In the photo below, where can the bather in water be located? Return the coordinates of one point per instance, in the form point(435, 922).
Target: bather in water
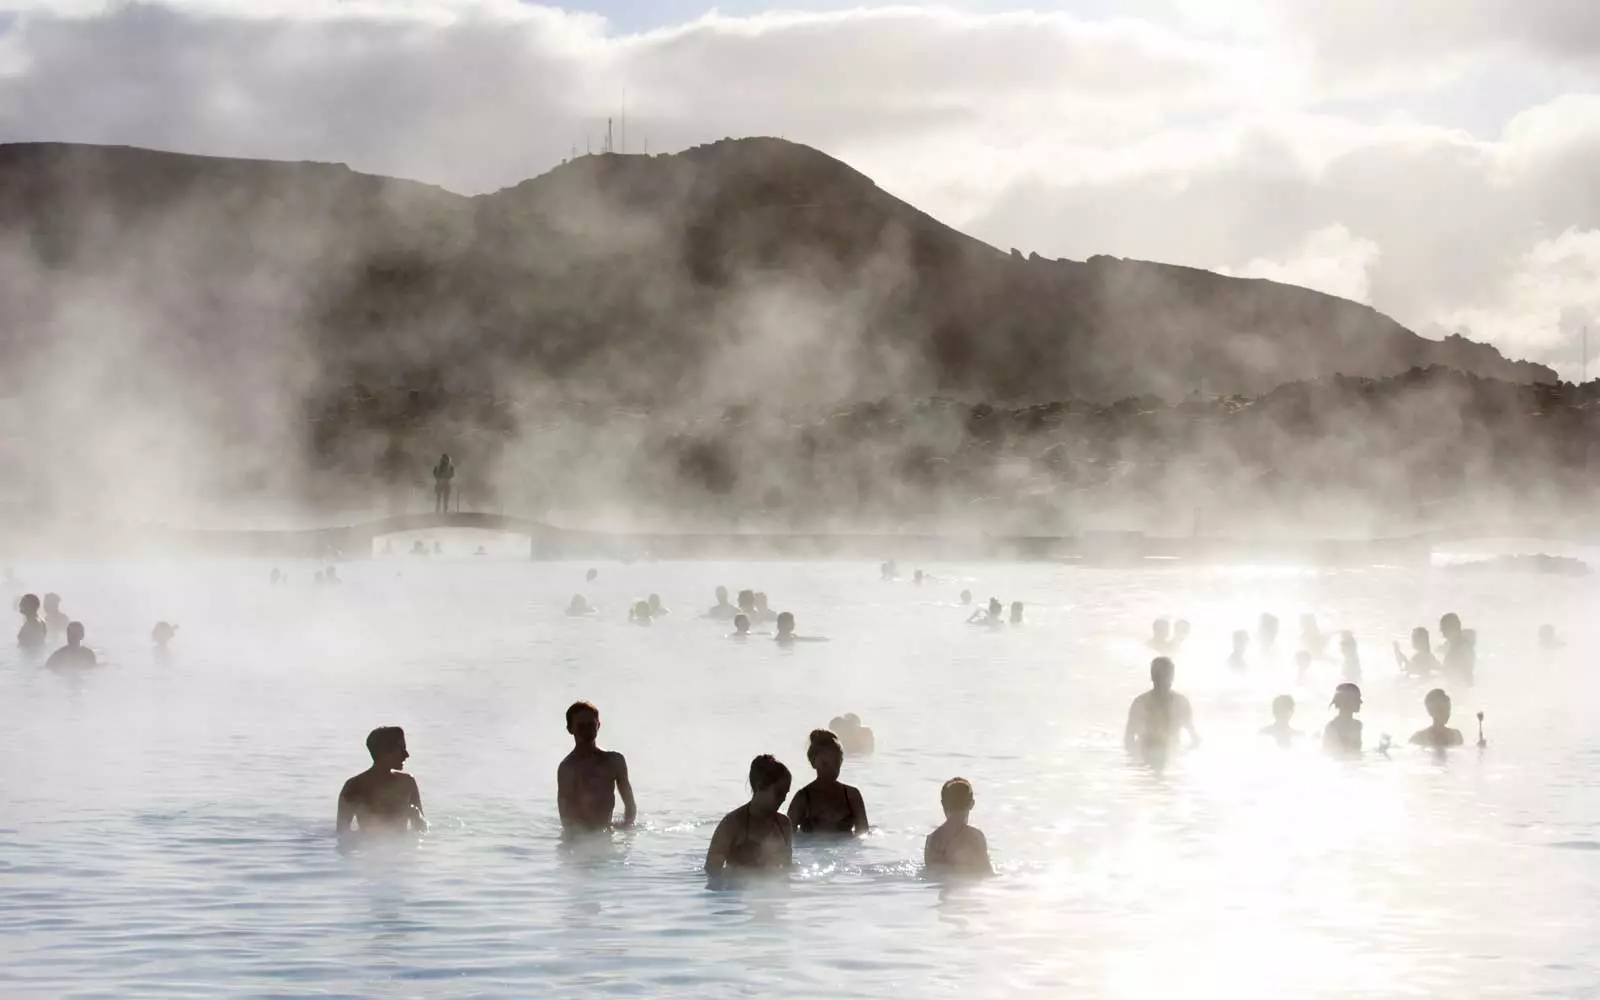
point(590, 779)
point(1438, 735)
point(1342, 734)
point(1282, 713)
point(1157, 717)
point(381, 799)
point(827, 805)
point(74, 653)
point(756, 836)
point(957, 847)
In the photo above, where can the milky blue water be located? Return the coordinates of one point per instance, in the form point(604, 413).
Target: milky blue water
point(165, 824)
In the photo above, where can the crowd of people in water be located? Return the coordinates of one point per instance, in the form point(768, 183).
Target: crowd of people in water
point(759, 834)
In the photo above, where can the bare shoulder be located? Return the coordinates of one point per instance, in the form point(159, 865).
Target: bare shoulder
point(353, 786)
point(617, 762)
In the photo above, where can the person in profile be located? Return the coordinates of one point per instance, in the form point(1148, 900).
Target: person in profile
point(1239, 658)
point(827, 805)
point(992, 616)
point(757, 836)
point(1548, 640)
point(1438, 735)
point(639, 613)
point(657, 609)
point(1460, 658)
point(580, 607)
point(1016, 612)
point(74, 653)
point(55, 620)
point(1160, 636)
point(1267, 633)
point(763, 614)
point(162, 635)
point(1282, 713)
point(591, 576)
point(741, 627)
point(966, 598)
point(1350, 657)
point(1421, 662)
point(1312, 639)
point(1157, 717)
point(1180, 634)
point(1342, 734)
point(590, 779)
point(31, 636)
point(383, 799)
point(856, 739)
point(786, 634)
point(443, 473)
point(723, 610)
point(957, 847)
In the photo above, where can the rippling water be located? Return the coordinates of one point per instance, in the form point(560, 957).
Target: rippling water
point(165, 825)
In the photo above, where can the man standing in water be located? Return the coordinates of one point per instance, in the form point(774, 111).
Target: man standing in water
point(1460, 649)
point(381, 799)
point(1156, 717)
point(589, 779)
point(74, 653)
point(442, 474)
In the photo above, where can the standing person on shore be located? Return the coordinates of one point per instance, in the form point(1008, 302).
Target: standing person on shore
point(590, 779)
point(442, 474)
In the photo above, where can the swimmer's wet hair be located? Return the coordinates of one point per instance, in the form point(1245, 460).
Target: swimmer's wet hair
point(766, 771)
point(956, 795)
point(822, 739)
point(1345, 688)
point(1282, 701)
point(578, 708)
point(1437, 694)
point(28, 601)
point(384, 738)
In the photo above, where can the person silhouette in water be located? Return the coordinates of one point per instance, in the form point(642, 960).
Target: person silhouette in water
point(442, 474)
point(1343, 733)
point(55, 620)
point(162, 634)
point(30, 637)
point(1157, 717)
point(381, 799)
point(1180, 635)
point(1160, 636)
point(827, 805)
point(1421, 662)
point(74, 653)
point(1460, 649)
point(580, 607)
point(1016, 612)
point(741, 627)
point(1237, 659)
point(756, 836)
point(590, 779)
point(1549, 640)
point(957, 847)
point(1267, 633)
point(1350, 656)
point(1438, 735)
point(722, 611)
point(1282, 712)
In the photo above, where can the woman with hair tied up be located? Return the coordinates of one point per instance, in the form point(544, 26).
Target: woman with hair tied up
point(827, 805)
point(756, 836)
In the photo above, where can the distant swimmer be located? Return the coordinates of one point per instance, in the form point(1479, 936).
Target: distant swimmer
point(1343, 732)
point(1239, 658)
point(317, 579)
point(741, 627)
point(1421, 662)
point(889, 571)
point(763, 614)
point(853, 736)
point(275, 576)
point(827, 805)
point(331, 575)
point(1267, 633)
point(481, 551)
point(590, 779)
point(786, 634)
point(722, 610)
point(916, 578)
point(418, 549)
point(1282, 712)
point(381, 799)
point(657, 609)
point(163, 634)
point(31, 635)
point(1350, 657)
point(1438, 735)
point(1180, 634)
point(639, 613)
point(1160, 636)
point(747, 604)
point(1157, 717)
point(993, 615)
point(756, 836)
point(74, 653)
point(580, 607)
point(55, 620)
point(1548, 640)
point(1460, 649)
point(438, 548)
point(966, 597)
point(957, 847)
point(1312, 638)
point(1016, 612)
point(591, 576)
point(1302, 664)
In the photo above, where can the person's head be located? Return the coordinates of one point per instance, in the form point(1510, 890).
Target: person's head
point(747, 600)
point(966, 597)
point(591, 575)
point(1547, 633)
point(722, 595)
point(1302, 661)
point(1437, 702)
point(1450, 625)
point(741, 624)
point(1160, 630)
point(786, 624)
point(1346, 698)
point(1419, 639)
point(52, 603)
point(29, 605)
point(825, 753)
point(1241, 641)
point(583, 721)
point(1161, 673)
point(1282, 709)
point(74, 633)
point(163, 633)
point(1180, 630)
point(387, 745)
point(769, 781)
point(578, 603)
point(655, 603)
point(994, 607)
point(837, 724)
point(956, 797)
point(1347, 643)
point(641, 612)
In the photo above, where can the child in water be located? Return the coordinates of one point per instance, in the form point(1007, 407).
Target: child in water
point(639, 614)
point(741, 627)
point(1241, 647)
point(381, 799)
point(1282, 712)
point(1438, 736)
point(827, 805)
point(1343, 733)
point(956, 846)
point(756, 836)
point(30, 636)
point(1421, 662)
point(1350, 656)
point(55, 620)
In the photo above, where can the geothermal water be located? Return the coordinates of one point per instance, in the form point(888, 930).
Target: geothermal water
point(165, 824)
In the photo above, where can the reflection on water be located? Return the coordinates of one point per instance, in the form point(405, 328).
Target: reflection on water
point(167, 821)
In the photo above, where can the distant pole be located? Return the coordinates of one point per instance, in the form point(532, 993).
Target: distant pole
point(624, 120)
point(1585, 354)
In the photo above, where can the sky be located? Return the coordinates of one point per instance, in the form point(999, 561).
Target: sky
point(1431, 158)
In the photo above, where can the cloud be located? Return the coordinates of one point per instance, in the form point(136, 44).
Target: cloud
point(1331, 260)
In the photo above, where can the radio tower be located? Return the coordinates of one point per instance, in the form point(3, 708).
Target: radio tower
point(608, 136)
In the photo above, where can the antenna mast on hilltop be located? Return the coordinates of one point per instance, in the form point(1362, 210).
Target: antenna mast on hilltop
point(624, 120)
point(608, 148)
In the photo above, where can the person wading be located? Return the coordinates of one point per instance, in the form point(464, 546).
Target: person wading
point(442, 474)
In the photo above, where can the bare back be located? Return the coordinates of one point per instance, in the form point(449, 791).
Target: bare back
point(376, 800)
point(587, 783)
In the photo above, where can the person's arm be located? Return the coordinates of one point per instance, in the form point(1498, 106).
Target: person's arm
point(1130, 733)
point(345, 819)
point(797, 812)
point(1400, 659)
point(930, 856)
point(565, 789)
point(418, 821)
point(1188, 723)
point(624, 789)
point(984, 866)
point(721, 845)
point(858, 809)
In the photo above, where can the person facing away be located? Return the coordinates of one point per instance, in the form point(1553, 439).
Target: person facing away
point(1156, 717)
point(1312, 638)
point(579, 607)
point(747, 604)
point(1421, 662)
point(55, 620)
point(1438, 735)
point(1282, 712)
point(639, 614)
point(722, 610)
point(1241, 648)
point(741, 627)
point(30, 636)
point(1343, 732)
point(381, 799)
point(591, 576)
point(966, 597)
point(1267, 632)
point(1548, 640)
point(1350, 657)
point(956, 846)
point(162, 634)
point(657, 609)
point(1160, 636)
point(756, 836)
point(853, 736)
point(74, 653)
point(590, 779)
point(442, 474)
point(762, 613)
point(1180, 634)
point(827, 805)
point(1460, 649)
